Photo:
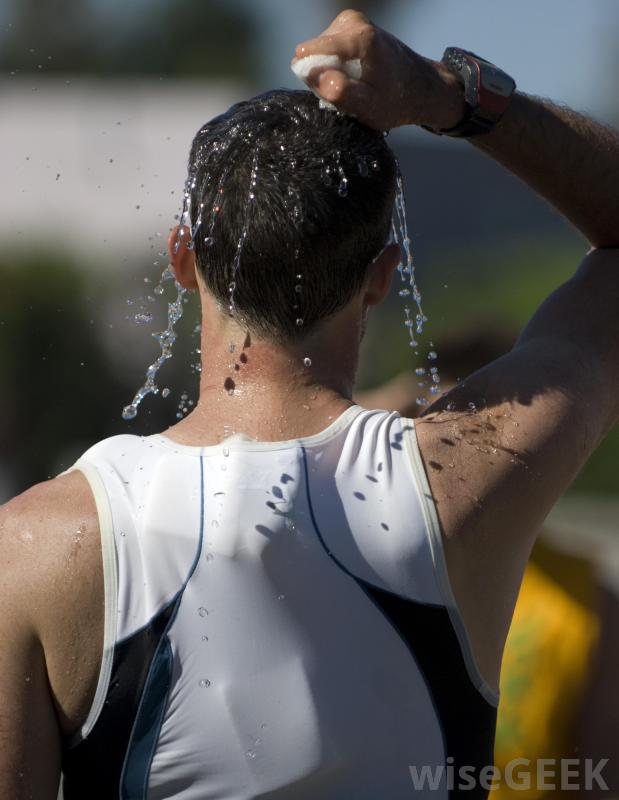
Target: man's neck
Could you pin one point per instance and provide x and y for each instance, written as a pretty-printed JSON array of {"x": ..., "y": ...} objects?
[{"x": 270, "y": 391}]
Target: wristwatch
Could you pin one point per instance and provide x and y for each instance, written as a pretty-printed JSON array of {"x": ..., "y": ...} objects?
[{"x": 487, "y": 92}]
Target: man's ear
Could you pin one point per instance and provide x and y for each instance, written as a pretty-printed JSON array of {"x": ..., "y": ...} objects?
[
  {"x": 380, "y": 274},
  {"x": 182, "y": 258}
]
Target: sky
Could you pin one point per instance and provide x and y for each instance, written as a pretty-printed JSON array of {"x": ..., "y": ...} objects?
[{"x": 563, "y": 49}]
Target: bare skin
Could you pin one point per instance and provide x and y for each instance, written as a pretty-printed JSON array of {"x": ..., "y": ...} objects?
[{"x": 496, "y": 468}]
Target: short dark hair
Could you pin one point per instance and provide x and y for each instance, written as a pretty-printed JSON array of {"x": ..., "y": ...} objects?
[{"x": 290, "y": 203}]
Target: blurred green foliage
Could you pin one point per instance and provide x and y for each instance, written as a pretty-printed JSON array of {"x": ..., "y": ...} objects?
[{"x": 63, "y": 387}]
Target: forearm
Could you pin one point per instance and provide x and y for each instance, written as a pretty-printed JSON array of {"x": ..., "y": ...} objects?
[
  {"x": 567, "y": 158},
  {"x": 570, "y": 160}
]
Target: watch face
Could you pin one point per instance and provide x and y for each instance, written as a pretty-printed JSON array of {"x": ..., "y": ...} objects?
[
  {"x": 487, "y": 91},
  {"x": 496, "y": 81}
]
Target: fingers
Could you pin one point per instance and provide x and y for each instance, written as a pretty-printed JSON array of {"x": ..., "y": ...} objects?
[
  {"x": 342, "y": 45},
  {"x": 347, "y": 37},
  {"x": 349, "y": 96}
]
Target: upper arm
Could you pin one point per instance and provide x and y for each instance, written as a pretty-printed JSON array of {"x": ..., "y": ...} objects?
[
  {"x": 29, "y": 733},
  {"x": 503, "y": 446},
  {"x": 525, "y": 424},
  {"x": 50, "y": 568}
]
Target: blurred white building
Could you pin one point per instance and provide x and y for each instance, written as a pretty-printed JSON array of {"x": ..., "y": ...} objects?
[{"x": 90, "y": 164}]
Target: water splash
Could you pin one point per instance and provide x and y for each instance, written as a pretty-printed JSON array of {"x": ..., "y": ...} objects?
[
  {"x": 251, "y": 196},
  {"x": 406, "y": 269},
  {"x": 166, "y": 340}
]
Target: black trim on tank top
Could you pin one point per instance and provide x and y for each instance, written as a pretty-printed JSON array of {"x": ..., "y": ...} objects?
[
  {"x": 93, "y": 768},
  {"x": 467, "y": 719}
]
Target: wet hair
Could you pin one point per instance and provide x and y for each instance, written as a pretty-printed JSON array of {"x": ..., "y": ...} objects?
[{"x": 289, "y": 205}]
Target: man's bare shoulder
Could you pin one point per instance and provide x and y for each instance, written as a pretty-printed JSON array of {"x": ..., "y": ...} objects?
[
  {"x": 50, "y": 544},
  {"x": 52, "y": 584}
]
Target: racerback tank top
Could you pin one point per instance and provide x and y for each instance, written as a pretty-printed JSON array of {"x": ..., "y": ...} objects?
[{"x": 278, "y": 623}]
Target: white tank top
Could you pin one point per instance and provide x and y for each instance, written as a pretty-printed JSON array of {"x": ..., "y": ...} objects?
[{"x": 278, "y": 623}]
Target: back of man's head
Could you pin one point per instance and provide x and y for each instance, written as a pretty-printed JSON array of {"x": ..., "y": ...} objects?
[{"x": 293, "y": 203}]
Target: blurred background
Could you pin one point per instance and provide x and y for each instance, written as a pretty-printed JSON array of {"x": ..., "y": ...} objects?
[{"x": 100, "y": 101}]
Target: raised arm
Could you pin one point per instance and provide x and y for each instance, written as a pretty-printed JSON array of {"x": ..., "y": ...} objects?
[
  {"x": 502, "y": 447},
  {"x": 569, "y": 159}
]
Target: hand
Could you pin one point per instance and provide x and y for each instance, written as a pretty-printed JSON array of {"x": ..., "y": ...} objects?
[{"x": 397, "y": 86}]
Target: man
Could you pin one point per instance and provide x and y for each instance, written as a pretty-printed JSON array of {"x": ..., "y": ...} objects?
[{"x": 295, "y": 612}]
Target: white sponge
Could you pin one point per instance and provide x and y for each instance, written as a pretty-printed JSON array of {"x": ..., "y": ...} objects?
[{"x": 303, "y": 67}]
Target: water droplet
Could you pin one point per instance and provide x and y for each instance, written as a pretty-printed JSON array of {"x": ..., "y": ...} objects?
[
  {"x": 299, "y": 322},
  {"x": 130, "y": 412},
  {"x": 432, "y": 356},
  {"x": 307, "y": 362},
  {"x": 158, "y": 289},
  {"x": 298, "y": 288},
  {"x": 165, "y": 392},
  {"x": 404, "y": 292},
  {"x": 202, "y": 611},
  {"x": 215, "y": 524},
  {"x": 226, "y": 452},
  {"x": 375, "y": 165},
  {"x": 281, "y": 596},
  {"x": 209, "y": 241},
  {"x": 420, "y": 371},
  {"x": 143, "y": 318},
  {"x": 209, "y": 556},
  {"x": 204, "y": 683},
  {"x": 290, "y": 524},
  {"x": 205, "y": 638},
  {"x": 250, "y": 754},
  {"x": 472, "y": 406}
]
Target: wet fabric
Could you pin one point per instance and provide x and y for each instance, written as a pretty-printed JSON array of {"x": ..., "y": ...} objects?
[{"x": 279, "y": 623}]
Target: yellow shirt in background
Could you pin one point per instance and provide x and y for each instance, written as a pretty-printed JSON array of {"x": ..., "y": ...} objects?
[{"x": 552, "y": 637}]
